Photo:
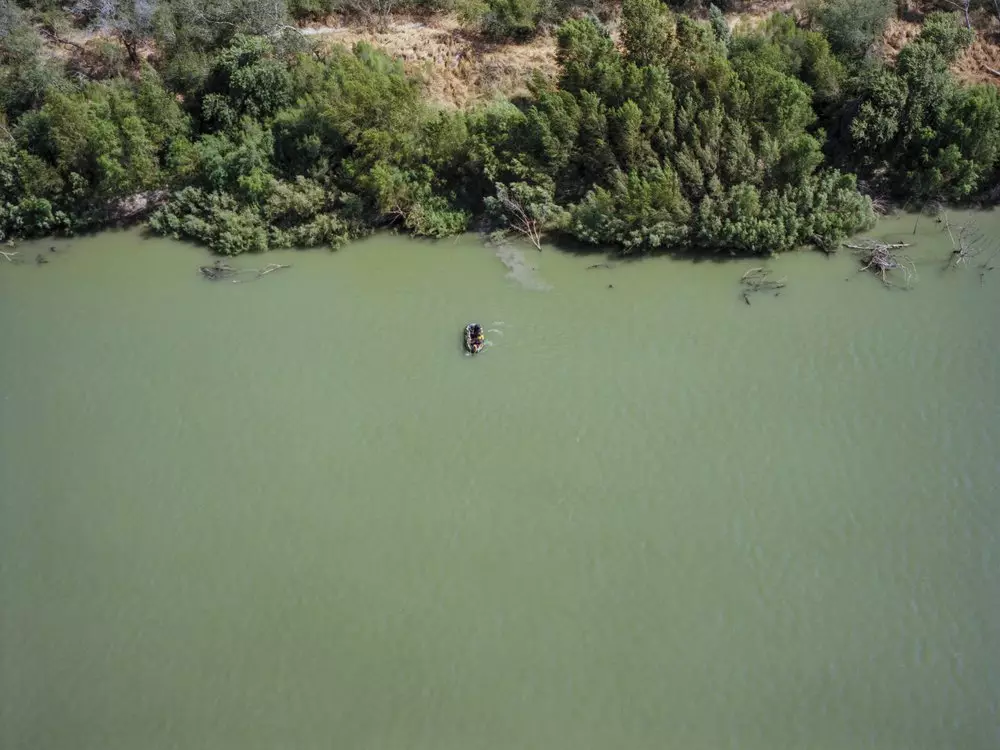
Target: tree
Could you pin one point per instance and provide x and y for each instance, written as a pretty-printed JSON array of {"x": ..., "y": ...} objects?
[
  {"x": 130, "y": 21},
  {"x": 246, "y": 81},
  {"x": 719, "y": 25},
  {"x": 26, "y": 74},
  {"x": 914, "y": 126},
  {"x": 647, "y": 32}
]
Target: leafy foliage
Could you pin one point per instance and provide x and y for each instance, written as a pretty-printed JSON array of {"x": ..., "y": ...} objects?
[
  {"x": 852, "y": 26},
  {"x": 917, "y": 129},
  {"x": 687, "y": 137}
]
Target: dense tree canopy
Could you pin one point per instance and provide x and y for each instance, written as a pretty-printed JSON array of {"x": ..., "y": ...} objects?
[{"x": 683, "y": 136}]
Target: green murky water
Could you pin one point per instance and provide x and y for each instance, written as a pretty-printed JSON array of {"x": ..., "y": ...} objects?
[{"x": 291, "y": 514}]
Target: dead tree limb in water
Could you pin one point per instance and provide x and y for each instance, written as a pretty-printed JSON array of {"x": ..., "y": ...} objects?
[
  {"x": 219, "y": 271},
  {"x": 968, "y": 242},
  {"x": 520, "y": 218},
  {"x": 962, "y": 244},
  {"x": 13, "y": 256},
  {"x": 261, "y": 272},
  {"x": 882, "y": 258},
  {"x": 758, "y": 280}
]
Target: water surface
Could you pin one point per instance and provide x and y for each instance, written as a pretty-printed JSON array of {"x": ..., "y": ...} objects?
[{"x": 291, "y": 513}]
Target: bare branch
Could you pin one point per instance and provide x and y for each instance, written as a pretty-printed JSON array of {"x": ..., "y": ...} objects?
[
  {"x": 967, "y": 244},
  {"x": 59, "y": 40}
]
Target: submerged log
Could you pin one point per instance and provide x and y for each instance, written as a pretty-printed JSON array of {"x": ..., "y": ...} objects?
[
  {"x": 217, "y": 271},
  {"x": 759, "y": 280},
  {"x": 220, "y": 270},
  {"x": 261, "y": 272}
]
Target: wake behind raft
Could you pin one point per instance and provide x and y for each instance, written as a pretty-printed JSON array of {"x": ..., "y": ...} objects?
[{"x": 475, "y": 340}]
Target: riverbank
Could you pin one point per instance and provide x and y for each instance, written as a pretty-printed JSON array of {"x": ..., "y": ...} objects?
[{"x": 963, "y": 242}]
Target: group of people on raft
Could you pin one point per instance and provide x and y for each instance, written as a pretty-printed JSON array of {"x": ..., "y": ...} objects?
[{"x": 474, "y": 338}]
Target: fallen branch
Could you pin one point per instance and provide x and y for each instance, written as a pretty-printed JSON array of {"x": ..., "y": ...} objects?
[
  {"x": 969, "y": 243},
  {"x": 521, "y": 220},
  {"x": 887, "y": 246},
  {"x": 59, "y": 40},
  {"x": 220, "y": 270},
  {"x": 882, "y": 259},
  {"x": 261, "y": 272},
  {"x": 217, "y": 271},
  {"x": 13, "y": 256},
  {"x": 993, "y": 71},
  {"x": 758, "y": 280}
]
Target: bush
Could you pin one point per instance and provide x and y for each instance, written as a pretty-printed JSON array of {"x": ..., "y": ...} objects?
[
  {"x": 928, "y": 137},
  {"x": 853, "y": 26},
  {"x": 506, "y": 19},
  {"x": 297, "y": 215}
]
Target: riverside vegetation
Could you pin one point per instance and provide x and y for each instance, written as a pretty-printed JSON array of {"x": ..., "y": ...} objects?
[{"x": 680, "y": 135}]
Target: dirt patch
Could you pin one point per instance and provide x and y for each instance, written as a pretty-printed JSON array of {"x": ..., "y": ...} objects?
[
  {"x": 457, "y": 67},
  {"x": 973, "y": 66},
  {"x": 897, "y": 35},
  {"x": 752, "y": 14}
]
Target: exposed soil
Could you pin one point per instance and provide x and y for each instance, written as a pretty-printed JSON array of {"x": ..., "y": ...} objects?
[{"x": 457, "y": 67}]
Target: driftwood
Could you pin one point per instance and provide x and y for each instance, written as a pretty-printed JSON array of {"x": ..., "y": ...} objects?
[
  {"x": 967, "y": 243},
  {"x": 758, "y": 280},
  {"x": 12, "y": 256},
  {"x": 883, "y": 259},
  {"x": 219, "y": 271}
]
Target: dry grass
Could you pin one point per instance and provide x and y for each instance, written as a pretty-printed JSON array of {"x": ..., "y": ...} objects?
[
  {"x": 457, "y": 67},
  {"x": 754, "y": 13}
]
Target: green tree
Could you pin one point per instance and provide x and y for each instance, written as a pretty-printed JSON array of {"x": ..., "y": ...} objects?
[
  {"x": 852, "y": 26},
  {"x": 26, "y": 73},
  {"x": 246, "y": 81},
  {"x": 647, "y": 32}
]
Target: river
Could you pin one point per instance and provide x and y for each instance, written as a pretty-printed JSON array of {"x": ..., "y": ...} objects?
[{"x": 292, "y": 514}]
